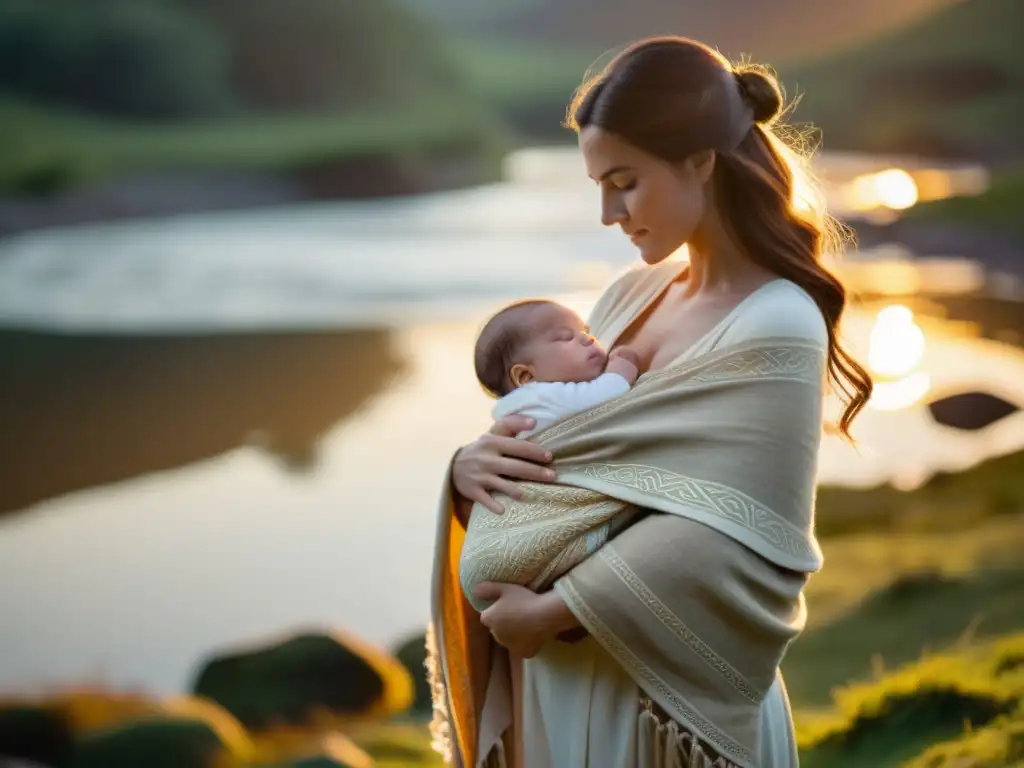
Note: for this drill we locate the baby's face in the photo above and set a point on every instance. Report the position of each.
(561, 347)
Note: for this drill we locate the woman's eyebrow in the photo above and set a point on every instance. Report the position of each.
(612, 171)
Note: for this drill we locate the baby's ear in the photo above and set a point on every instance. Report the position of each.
(520, 374)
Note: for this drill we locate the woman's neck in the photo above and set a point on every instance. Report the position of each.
(718, 265)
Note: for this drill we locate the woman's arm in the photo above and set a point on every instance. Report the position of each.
(522, 620)
(484, 466)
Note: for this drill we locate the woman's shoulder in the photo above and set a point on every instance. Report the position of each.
(780, 309)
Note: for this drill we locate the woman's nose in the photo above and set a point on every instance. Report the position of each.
(612, 210)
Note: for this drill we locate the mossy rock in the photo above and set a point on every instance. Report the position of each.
(336, 751)
(321, 761)
(154, 743)
(290, 682)
(38, 734)
(413, 656)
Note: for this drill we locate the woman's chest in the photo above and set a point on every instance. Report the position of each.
(670, 328)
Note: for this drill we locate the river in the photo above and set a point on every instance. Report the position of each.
(225, 426)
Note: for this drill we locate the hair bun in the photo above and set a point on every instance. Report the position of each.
(760, 90)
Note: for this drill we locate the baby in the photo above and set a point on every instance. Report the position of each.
(539, 359)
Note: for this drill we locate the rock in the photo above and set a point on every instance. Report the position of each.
(155, 743)
(36, 734)
(334, 751)
(413, 655)
(294, 681)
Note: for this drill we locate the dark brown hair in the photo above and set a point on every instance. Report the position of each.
(499, 344)
(673, 97)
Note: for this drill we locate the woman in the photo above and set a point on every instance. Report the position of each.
(685, 617)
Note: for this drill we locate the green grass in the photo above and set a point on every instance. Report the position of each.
(946, 503)
(914, 652)
(962, 707)
(899, 622)
(40, 142)
(516, 74)
(860, 564)
(999, 208)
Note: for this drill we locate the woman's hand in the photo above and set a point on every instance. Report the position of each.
(521, 620)
(484, 466)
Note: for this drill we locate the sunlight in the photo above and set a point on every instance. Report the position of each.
(805, 196)
(896, 343)
(893, 188)
(895, 348)
(900, 394)
(896, 189)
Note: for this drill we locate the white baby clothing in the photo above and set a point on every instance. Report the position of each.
(549, 401)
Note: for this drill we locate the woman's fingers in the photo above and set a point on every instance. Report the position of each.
(520, 449)
(512, 425)
(488, 590)
(507, 487)
(498, 485)
(488, 502)
(522, 470)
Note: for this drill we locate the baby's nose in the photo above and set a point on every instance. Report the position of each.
(587, 338)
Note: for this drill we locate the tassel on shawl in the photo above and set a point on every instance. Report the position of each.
(441, 737)
(665, 744)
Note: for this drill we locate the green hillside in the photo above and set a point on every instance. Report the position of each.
(952, 84)
(279, 85)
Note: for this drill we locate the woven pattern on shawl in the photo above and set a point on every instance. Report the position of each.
(538, 538)
(554, 527)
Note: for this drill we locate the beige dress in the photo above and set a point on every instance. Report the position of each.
(578, 706)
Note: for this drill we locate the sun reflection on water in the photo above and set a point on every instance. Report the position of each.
(895, 348)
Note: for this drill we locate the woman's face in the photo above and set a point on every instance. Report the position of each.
(658, 205)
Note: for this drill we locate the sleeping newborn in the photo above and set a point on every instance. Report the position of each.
(539, 359)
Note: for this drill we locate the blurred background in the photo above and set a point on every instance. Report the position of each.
(245, 246)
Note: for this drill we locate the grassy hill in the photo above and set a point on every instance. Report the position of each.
(961, 708)
(952, 84)
(942, 77)
(312, 83)
(782, 28)
(997, 210)
(49, 150)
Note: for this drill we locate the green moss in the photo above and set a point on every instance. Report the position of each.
(155, 743)
(898, 623)
(999, 745)
(951, 704)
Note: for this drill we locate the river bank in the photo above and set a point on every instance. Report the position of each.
(61, 169)
(151, 195)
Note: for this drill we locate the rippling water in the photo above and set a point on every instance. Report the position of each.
(224, 426)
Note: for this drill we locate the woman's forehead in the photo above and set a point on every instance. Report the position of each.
(604, 152)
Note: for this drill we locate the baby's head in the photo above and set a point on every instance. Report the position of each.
(536, 340)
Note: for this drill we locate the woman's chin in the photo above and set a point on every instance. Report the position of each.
(652, 256)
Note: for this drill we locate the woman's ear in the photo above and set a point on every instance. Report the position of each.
(704, 164)
(520, 374)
